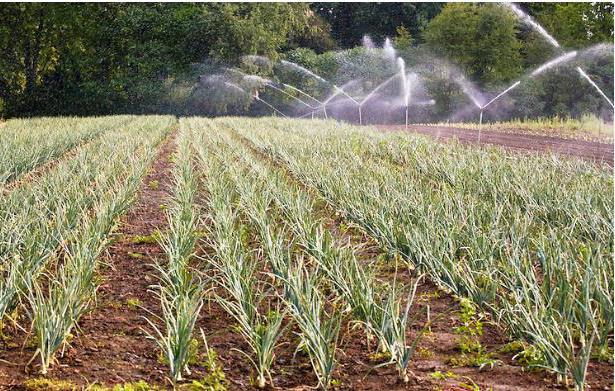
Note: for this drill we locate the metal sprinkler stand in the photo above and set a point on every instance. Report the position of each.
(406, 117)
(360, 116)
(480, 123)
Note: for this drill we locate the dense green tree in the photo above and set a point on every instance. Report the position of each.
(575, 24)
(480, 38)
(112, 57)
(350, 21)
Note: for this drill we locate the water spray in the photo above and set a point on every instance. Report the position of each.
(309, 96)
(501, 94)
(556, 61)
(321, 79)
(255, 96)
(529, 20)
(586, 77)
(373, 92)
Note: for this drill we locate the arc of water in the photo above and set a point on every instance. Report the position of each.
(556, 61)
(255, 96)
(514, 85)
(304, 70)
(381, 85)
(235, 86)
(501, 94)
(272, 86)
(271, 107)
(529, 20)
(301, 92)
(586, 76)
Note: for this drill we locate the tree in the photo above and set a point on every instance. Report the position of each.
(403, 40)
(481, 39)
(576, 24)
(350, 21)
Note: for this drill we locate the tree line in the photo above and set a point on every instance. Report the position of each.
(105, 58)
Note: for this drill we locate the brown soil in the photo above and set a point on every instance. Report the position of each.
(589, 150)
(356, 363)
(112, 347)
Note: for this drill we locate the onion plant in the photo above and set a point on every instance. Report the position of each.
(71, 283)
(319, 329)
(179, 290)
(521, 236)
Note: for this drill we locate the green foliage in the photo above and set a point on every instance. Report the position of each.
(576, 24)
(403, 40)
(478, 37)
(41, 383)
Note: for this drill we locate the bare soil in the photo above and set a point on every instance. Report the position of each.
(588, 150)
(112, 346)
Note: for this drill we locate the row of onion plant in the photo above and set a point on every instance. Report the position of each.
(528, 238)
(242, 294)
(180, 290)
(27, 143)
(67, 289)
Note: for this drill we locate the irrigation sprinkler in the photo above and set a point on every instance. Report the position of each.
(586, 77)
(272, 86)
(309, 96)
(338, 90)
(373, 92)
(482, 108)
(255, 96)
(406, 117)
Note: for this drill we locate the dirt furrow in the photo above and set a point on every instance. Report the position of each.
(439, 348)
(588, 150)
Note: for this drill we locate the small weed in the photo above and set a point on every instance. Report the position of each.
(602, 353)
(530, 357)
(215, 379)
(163, 207)
(153, 185)
(49, 385)
(133, 303)
(437, 375)
(380, 356)
(136, 255)
(428, 296)
(424, 352)
(480, 359)
(153, 238)
(115, 304)
(141, 385)
(473, 354)
(513, 347)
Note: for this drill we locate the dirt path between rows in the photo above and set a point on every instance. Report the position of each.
(113, 347)
(110, 346)
(588, 150)
(357, 366)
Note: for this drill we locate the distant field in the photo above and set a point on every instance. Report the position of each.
(150, 252)
(589, 128)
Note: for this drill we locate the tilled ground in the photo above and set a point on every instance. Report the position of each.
(589, 150)
(112, 347)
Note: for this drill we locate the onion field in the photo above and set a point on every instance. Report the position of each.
(150, 252)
